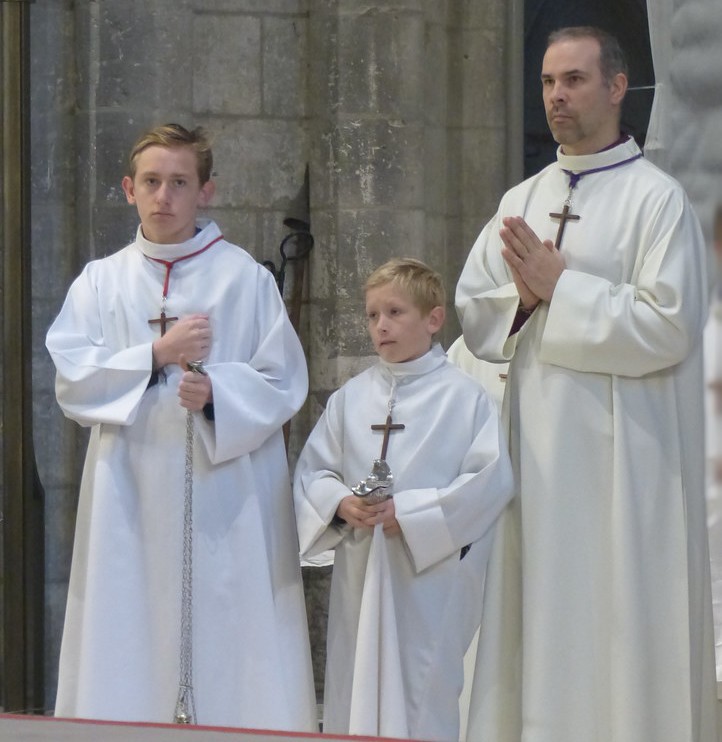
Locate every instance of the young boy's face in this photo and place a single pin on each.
(167, 193)
(397, 327)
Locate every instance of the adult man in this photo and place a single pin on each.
(591, 280)
(121, 343)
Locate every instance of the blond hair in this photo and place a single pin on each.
(422, 284)
(175, 135)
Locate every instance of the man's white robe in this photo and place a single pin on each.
(597, 618)
(404, 608)
(120, 648)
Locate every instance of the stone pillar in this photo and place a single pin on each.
(56, 242)
(407, 118)
(21, 497)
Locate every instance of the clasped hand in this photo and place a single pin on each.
(535, 265)
(194, 390)
(189, 336)
(188, 339)
(359, 513)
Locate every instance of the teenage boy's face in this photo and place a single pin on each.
(167, 193)
(398, 330)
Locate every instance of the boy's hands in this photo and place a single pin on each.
(195, 389)
(385, 513)
(358, 513)
(190, 337)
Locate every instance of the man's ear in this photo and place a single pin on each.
(618, 87)
(436, 319)
(208, 190)
(128, 189)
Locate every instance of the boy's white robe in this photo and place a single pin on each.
(404, 608)
(597, 619)
(120, 648)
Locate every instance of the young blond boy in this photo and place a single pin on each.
(121, 343)
(409, 569)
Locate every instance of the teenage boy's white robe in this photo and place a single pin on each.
(597, 618)
(120, 648)
(403, 608)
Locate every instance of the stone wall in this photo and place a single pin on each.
(398, 107)
(693, 112)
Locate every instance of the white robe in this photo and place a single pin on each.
(120, 648)
(492, 376)
(404, 608)
(597, 620)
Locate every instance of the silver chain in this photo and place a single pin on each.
(392, 395)
(185, 711)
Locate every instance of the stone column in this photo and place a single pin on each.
(407, 103)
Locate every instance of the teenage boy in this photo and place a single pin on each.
(404, 475)
(121, 344)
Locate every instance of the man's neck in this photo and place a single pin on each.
(620, 138)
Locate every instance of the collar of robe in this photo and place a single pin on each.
(169, 255)
(418, 367)
(578, 165)
(208, 233)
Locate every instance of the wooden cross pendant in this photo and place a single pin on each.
(387, 427)
(162, 321)
(564, 217)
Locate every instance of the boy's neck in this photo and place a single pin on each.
(196, 231)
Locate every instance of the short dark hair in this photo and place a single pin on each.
(175, 135)
(612, 60)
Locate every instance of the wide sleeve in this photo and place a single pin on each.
(645, 324)
(254, 397)
(438, 522)
(487, 298)
(96, 382)
(318, 486)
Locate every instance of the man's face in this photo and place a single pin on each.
(167, 193)
(582, 108)
(398, 329)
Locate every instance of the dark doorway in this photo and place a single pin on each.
(627, 20)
